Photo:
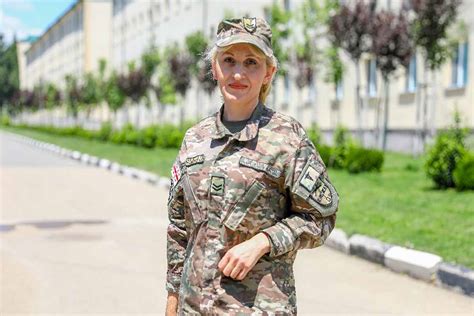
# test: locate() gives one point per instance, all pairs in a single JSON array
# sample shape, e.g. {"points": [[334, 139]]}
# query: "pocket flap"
{"points": [[238, 212]]}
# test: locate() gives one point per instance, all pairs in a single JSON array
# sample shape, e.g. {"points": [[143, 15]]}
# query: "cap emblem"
{"points": [[250, 24]]}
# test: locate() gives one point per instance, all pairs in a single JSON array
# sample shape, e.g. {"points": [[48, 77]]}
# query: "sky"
{"points": [[29, 17]]}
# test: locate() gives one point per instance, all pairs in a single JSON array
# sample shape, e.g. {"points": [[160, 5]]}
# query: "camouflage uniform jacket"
{"points": [[226, 188]]}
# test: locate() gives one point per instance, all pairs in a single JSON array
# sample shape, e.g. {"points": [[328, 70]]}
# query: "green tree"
{"points": [[113, 95], [91, 93], [392, 47], [350, 29], [73, 96], [9, 82], [334, 69], [196, 45], [53, 99], [279, 18], [430, 23], [314, 18]]}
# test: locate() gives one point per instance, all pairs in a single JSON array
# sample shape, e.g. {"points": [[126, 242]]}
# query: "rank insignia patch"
{"points": [[217, 185], [250, 24], [194, 160]]}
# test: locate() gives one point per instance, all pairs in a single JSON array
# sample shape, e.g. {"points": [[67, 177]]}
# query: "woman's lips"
{"points": [[237, 86]]}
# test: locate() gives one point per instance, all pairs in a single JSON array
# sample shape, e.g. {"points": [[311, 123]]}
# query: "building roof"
{"points": [[38, 38], [30, 39]]}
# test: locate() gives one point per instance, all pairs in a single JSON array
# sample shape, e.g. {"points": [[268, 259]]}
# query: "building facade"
{"points": [[137, 25], [72, 45]]}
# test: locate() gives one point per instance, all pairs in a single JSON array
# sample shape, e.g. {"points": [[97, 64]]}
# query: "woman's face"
{"points": [[241, 73]]}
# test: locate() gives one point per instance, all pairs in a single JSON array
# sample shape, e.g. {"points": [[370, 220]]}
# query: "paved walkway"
{"points": [[83, 240]]}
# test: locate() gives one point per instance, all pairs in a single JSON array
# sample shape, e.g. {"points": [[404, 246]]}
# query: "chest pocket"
{"points": [[237, 213]]}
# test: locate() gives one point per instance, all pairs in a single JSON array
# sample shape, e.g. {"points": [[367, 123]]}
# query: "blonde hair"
{"points": [[211, 55]]}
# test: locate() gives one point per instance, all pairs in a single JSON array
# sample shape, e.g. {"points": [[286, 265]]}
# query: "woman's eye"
{"points": [[251, 62], [229, 60]]}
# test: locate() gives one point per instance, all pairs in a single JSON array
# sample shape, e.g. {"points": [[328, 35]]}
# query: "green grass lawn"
{"points": [[155, 160], [398, 205]]}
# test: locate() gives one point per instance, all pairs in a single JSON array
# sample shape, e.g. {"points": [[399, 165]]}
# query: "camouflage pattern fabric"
{"points": [[225, 189]]}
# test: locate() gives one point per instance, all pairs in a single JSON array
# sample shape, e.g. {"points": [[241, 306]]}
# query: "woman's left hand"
{"points": [[240, 259]]}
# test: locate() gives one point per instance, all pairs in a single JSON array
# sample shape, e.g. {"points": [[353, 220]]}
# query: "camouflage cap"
{"points": [[255, 31]]}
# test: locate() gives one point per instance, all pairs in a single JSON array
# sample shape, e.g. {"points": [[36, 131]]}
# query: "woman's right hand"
{"points": [[172, 304]]}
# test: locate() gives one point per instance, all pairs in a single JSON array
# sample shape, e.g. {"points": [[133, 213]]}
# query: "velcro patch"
{"points": [[260, 166], [217, 185], [194, 160], [312, 187], [175, 173]]}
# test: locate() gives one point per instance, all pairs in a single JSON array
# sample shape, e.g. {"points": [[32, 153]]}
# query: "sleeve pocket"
{"points": [[240, 209]]}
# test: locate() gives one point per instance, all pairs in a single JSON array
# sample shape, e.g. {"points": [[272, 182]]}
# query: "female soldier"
{"points": [[248, 189]]}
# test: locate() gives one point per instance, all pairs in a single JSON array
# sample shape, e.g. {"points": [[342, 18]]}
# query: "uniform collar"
{"points": [[250, 130]]}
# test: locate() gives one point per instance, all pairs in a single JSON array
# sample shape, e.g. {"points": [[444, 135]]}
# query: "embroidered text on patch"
{"points": [[194, 160], [260, 166]]}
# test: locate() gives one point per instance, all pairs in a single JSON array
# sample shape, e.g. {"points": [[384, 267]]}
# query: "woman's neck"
{"points": [[238, 112]]}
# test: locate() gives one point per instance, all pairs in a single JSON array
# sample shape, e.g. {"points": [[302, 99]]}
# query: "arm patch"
{"points": [[312, 187]]}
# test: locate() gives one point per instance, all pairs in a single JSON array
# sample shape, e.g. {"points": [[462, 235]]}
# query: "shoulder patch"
{"points": [[194, 160], [312, 187], [260, 166]]}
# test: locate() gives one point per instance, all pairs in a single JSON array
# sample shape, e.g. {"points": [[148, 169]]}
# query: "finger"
{"points": [[228, 269], [242, 274], [236, 271], [223, 261]]}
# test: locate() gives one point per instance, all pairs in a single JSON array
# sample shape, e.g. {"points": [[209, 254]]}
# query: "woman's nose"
{"points": [[238, 72]]}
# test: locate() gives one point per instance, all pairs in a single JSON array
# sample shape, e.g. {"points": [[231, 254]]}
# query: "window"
{"points": [[371, 78], [459, 65], [410, 83], [339, 90]]}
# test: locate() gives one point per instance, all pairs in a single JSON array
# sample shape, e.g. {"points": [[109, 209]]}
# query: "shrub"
{"points": [[147, 137], [105, 131], [84, 133], [169, 136], [5, 120], [360, 159], [314, 134], [325, 153], [442, 159], [463, 174], [117, 137], [342, 143]]}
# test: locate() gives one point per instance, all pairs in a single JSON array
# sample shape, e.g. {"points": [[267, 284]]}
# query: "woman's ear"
{"points": [[268, 76]]}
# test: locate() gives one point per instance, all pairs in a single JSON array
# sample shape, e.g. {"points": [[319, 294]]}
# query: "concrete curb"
{"points": [[421, 265], [106, 164], [417, 264], [368, 248], [338, 240], [456, 277]]}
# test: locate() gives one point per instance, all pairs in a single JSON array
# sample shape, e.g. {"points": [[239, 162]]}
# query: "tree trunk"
{"points": [[417, 139], [358, 102], [137, 118], [434, 98], [385, 113], [425, 104]]}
